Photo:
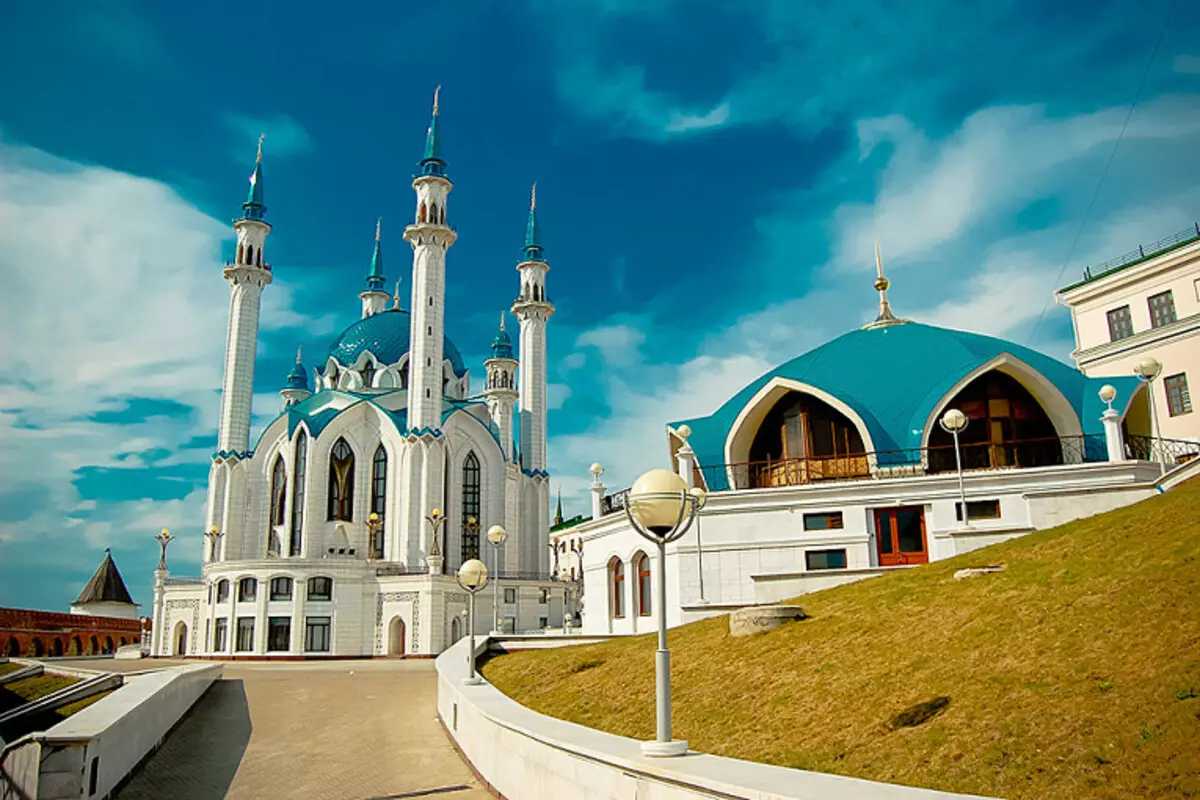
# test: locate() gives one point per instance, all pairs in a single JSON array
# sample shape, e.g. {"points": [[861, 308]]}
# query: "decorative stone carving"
{"points": [[415, 627], [760, 619]]}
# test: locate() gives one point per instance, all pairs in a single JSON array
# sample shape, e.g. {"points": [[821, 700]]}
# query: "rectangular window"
{"points": [[1162, 309], [824, 521], [245, 634], [510, 596], [543, 622], [978, 509], [281, 588], [279, 634], [316, 634], [1120, 324], [1178, 399], [247, 590], [825, 559], [544, 597], [320, 588], [220, 631]]}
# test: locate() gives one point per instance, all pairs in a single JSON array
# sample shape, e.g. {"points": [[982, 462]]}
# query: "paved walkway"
{"points": [[333, 730]]}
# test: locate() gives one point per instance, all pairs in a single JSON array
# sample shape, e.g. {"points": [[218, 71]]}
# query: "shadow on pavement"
{"points": [[198, 759]]}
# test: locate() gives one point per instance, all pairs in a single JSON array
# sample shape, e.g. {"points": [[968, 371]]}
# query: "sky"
{"points": [[710, 186]]}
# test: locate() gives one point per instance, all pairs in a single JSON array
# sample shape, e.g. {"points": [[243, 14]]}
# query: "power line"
{"points": [[1104, 174]]}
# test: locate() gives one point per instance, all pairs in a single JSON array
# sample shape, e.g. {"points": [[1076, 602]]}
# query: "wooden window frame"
{"points": [[616, 581], [645, 584], [829, 517], [977, 504], [808, 561], [1167, 307], [1125, 321], [1179, 399]]}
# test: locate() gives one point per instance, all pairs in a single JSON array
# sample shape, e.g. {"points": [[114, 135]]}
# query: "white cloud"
{"points": [[682, 123], [556, 395], [285, 136], [618, 343]]}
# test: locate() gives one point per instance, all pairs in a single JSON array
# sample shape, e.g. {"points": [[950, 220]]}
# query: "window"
{"points": [[220, 631], [278, 491], [281, 588], [825, 559], [510, 596], [616, 582], [544, 597], [298, 494], [222, 591], [245, 634], [379, 466], [823, 521], [1162, 309], [279, 634], [543, 622], [978, 509], [368, 373], [247, 590], [316, 634], [470, 507], [341, 481], [320, 588], [1120, 324], [509, 624], [641, 567], [1178, 399]]}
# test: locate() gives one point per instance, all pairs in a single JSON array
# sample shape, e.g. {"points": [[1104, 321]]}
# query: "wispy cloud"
{"points": [[285, 136]]}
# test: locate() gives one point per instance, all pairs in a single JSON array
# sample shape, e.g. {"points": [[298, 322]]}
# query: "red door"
{"points": [[900, 535]]}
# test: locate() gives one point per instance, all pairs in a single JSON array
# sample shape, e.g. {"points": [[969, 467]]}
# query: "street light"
{"points": [[471, 528], [1148, 370], [661, 509], [954, 422], [472, 576], [435, 520], [213, 535], [701, 500], [496, 536], [163, 538], [374, 525]]}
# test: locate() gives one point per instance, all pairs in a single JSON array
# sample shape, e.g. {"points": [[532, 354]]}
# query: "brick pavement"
{"points": [[338, 730]]}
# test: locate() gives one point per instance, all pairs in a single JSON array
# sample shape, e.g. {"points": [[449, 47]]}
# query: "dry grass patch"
{"points": [[1075, 672]]}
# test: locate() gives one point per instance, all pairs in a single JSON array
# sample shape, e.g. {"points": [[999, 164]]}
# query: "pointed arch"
{"points": [[298, 473], [379, 468], [433, 213], [368, 374], [241, 253], [643, 588], [616, 588], [421, 212], [471, 505], [278, 491], [341, 482], [258, 256]]}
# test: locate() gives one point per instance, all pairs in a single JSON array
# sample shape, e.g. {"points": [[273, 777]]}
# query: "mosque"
{"points": [[340, 531]]}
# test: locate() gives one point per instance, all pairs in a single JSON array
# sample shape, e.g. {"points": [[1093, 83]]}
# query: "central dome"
{"points": [[386, 336]]}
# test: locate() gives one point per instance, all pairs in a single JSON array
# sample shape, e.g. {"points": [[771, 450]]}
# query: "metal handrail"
{"points": [[1143, 252]]}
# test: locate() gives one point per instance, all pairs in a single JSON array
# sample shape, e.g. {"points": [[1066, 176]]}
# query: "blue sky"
{"points": [[710, 183]]}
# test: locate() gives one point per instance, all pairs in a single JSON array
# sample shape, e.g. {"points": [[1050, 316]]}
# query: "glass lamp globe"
{"points": [[1148, 368], [683, 431], [1108, 393], [473, 574], [954, 420], [596, 469], [655, 500], [700, 495], [496, 534]]}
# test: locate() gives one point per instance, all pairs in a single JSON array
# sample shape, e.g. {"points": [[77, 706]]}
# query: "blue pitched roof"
{"points": [[893, 377], [386, 335]]}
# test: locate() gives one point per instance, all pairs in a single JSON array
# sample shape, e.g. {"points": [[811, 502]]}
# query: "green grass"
{"points": [[1073, 673], [22, 691], [9, 666]]}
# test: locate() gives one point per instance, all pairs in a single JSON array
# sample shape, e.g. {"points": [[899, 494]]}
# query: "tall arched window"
{"points": [[278, 491], [368, 374], [341, 481], [470, 507], [404, 376], [641, 568], [616, 586], [378, 497], [298, 493]]}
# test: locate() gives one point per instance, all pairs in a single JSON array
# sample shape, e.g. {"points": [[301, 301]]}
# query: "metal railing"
{"points": [[183, 581], [1143, 252], [612, 503], [1166, 451], [400, 569]]}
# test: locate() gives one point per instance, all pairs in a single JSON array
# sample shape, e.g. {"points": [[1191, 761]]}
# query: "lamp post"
{"points": [[163, 538], [1148, 370], [434, 559], [661, 510], [472, 576], [375, 546], [213, 535], [471, 529], [954, 422], [496, 536], [701, 500], [576, 547]]}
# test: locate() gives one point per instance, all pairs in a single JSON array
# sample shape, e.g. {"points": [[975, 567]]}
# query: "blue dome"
{"points": [[297, 379], [502, 345], [385, 335]]}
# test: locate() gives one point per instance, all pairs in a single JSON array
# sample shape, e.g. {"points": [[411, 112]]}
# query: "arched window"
{"points": [[320, 588], [616, 584], [341, 481], [95, 651], [379, 466], [222, 591], [298, 493], [57, 648], [368, 374], [241, 252], [278, 491], [641, 568], [803, 439], [470, 506], [247, 590], [433, 213], [76, 647], [258, 257], [108, 644], [281, 588], [421, 212], [404, 376], [36, 648], [13, 648]]}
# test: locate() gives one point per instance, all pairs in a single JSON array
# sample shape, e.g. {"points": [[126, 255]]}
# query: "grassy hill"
{"points": [[1074, 673]]}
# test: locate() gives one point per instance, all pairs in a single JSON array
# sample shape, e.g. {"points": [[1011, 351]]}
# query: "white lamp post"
{"points": [[701, 500], [661, 509], [213, 535], [1148, 370], [472, 576], [953, 422], [496, 536]]}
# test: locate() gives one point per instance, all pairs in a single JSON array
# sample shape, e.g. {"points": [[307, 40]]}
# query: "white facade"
{"points": [[321, 538]]}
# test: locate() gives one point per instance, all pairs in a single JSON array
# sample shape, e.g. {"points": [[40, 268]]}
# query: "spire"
{"points": [[396, 297], [254, 207], [885, 317], [297, 378], [375, 278], [558, 515], [106, 585], [533, 247], [432, 163], [502, 345]]}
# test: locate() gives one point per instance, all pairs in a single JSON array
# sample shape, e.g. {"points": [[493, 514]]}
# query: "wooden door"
{"points": [[900, 536]]}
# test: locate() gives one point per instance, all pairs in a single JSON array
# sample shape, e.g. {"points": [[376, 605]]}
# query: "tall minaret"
{"points": [[374, 298], [430, 238], [533, 310], [247, 276], [500, 390]]}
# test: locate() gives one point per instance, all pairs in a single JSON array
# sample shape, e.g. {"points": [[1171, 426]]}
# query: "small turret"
{"points": [[500, 391], [295, 389], [374, 297], [432, 163], [254, 208]]}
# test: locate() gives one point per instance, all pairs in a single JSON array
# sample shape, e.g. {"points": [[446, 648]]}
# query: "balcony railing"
{"points": [[1167, 451], [612, 503], [1143, 252]]}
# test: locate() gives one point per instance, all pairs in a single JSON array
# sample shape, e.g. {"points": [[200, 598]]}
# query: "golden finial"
{"points": [[299, 351], [435, 99], [258, 159], [886, 317], [533, 197], [378, 223], [881, 283], [396, 296]]}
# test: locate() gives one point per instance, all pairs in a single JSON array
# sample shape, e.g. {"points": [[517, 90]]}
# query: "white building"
{"points": [[320, 541], [1145, 303], [833, 467]]}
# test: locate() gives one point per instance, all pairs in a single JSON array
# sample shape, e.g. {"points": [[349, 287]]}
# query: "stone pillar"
{"points": [[597, 497], [1112, 435], [157, 631], [687, 464]]}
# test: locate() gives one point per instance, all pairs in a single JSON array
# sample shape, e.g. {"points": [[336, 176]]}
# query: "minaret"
{"points": [[247, 276], [374, 298], [501, 388], [430, 238], [295, 389], [533, 310], [885, 316]]}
